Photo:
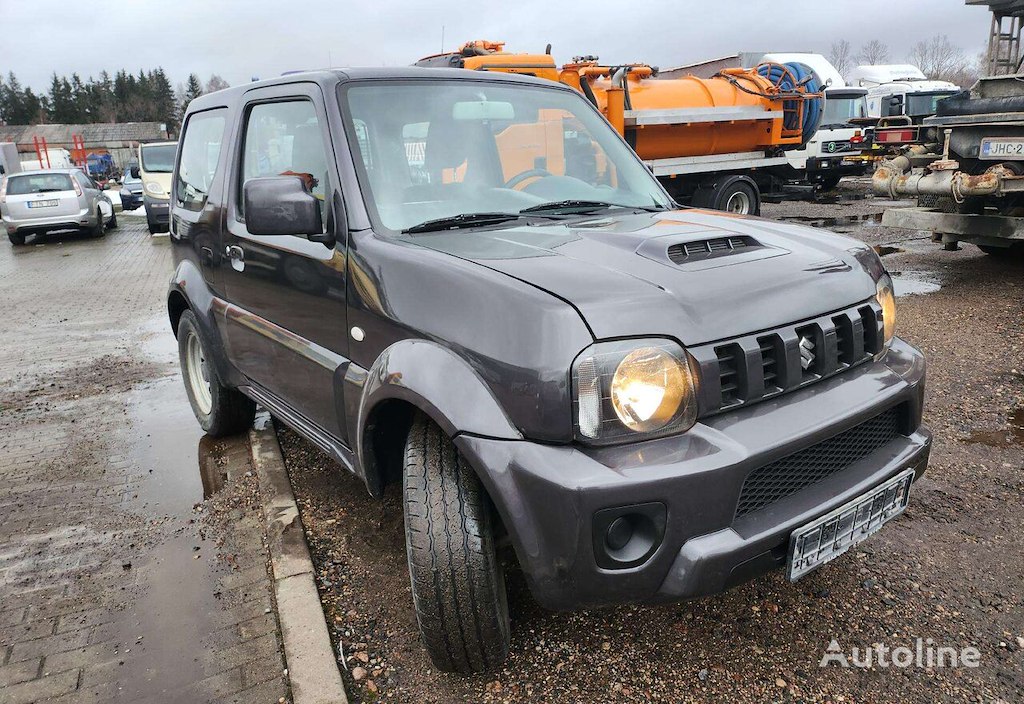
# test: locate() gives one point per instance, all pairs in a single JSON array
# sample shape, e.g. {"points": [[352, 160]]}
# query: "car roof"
{"points": [[328, 78], [27, 172]]}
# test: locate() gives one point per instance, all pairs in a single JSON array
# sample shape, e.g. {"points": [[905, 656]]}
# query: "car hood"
{"points": [[625, 275]]}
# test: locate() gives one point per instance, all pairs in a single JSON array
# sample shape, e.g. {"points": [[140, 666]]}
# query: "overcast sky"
{"points": [[241, 39]]}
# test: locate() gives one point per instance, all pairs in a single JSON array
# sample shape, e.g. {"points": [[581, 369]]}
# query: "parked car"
{"points": [[154, 170], [34, 202], [644, 403], [131, 189]]}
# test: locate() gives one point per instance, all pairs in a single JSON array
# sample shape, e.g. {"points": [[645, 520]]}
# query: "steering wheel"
{"points": [[529, 173]]}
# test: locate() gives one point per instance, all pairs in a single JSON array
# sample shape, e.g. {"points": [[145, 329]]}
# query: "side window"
{"points": [[200, 152], [284, 139]]}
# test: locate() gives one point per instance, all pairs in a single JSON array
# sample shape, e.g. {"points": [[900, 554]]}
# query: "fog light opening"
{"points": [[627, 536]]}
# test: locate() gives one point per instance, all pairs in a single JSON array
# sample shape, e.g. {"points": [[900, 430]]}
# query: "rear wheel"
{"points": [[16, 238], [458, 585], [99, 228], [733, 195], [220, 410]]}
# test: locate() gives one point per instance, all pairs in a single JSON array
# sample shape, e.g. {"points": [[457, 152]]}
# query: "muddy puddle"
{"points": [[174, 580], [915, 283], [1010, 436]]}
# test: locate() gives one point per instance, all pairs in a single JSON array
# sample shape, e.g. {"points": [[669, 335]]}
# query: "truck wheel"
{"points": [[220, 411], [458, 586], [829, 183], [732, 195], [16, 238]]}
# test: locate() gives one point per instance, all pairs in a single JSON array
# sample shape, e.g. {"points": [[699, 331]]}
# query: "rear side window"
{"points": [[38, 183], [200, 152], [284, 139]]}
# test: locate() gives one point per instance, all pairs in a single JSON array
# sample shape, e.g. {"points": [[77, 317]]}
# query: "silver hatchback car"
{"points": [[53, 199]]}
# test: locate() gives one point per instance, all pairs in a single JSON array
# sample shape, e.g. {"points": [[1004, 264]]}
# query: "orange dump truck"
{"points": [[713, 142]]}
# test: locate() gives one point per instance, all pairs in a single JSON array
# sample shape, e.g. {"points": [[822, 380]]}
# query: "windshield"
{"points": [[38, 183], [159, 158], [925, 103], [840, 110], [441, 149]]}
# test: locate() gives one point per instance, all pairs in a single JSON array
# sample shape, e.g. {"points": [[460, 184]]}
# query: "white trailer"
{"points": [[54, 158]]}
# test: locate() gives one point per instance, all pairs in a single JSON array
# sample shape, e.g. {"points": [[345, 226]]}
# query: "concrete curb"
{"points": [[312, 666]]}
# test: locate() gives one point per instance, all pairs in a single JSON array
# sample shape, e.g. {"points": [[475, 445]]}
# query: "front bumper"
{"points": [[825, 167], [548, 495], [129, 200], [157, 209]]}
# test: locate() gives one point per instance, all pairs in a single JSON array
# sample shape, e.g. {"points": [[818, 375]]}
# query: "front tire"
{"points": [[220, 410], [458, 585], [112, 222]]}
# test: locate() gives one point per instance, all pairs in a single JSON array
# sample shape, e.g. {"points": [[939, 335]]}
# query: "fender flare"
{"points": [[438, 382], [188, 282]]}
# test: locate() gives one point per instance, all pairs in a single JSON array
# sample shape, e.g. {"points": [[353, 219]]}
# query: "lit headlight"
{"points": [[887, 300], [154, 188], [633, 389]]}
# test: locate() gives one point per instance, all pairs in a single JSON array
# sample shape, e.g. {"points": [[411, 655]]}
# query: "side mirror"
{"points": [[281, 205], [134, 171]]}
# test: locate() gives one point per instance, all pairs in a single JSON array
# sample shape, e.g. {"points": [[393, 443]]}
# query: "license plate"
{"points": [[43, 203], [825, 539], [1002, 148]]}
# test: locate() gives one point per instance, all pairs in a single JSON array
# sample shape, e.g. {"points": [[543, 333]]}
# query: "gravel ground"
{"points": [[950, 569]]}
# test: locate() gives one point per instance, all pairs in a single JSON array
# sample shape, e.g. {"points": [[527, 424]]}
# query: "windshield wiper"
{"points": [[455, 222], [573, 205], [581, 206]]}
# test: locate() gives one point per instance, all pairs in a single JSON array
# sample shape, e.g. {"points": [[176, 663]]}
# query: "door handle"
{"points": [[234, 252]]}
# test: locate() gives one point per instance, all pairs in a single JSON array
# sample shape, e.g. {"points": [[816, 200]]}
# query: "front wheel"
{"points": [[112, 222], [220, 410], [829, 183], [458, 586]]}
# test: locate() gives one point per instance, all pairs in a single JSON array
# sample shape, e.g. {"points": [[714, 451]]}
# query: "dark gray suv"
{"points": [[467, 284]]}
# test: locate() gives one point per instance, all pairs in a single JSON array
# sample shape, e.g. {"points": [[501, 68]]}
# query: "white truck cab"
{"points": [[900, 89], [835, 149]]}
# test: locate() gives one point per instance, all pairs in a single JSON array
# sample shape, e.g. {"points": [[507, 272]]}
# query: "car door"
{"points": [[286, 319], [197, 210]]}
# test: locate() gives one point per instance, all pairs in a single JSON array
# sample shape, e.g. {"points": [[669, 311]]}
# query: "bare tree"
{"points": [[874, 52], [841, 56], [941, 60], [216, 83]]}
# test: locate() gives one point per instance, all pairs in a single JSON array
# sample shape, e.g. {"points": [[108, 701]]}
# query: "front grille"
{"points": [[786, 476], [751, 368], [683, 252]]}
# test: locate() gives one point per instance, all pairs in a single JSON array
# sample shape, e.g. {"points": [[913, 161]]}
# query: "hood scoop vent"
{"points": [[717, 250], [699, 250]]}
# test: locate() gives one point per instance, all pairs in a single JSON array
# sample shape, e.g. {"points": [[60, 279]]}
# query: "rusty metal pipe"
{"points": [[895, 178]]}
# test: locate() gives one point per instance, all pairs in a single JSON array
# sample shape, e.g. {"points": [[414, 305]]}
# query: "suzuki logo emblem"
{"points": [[806, 352]]}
